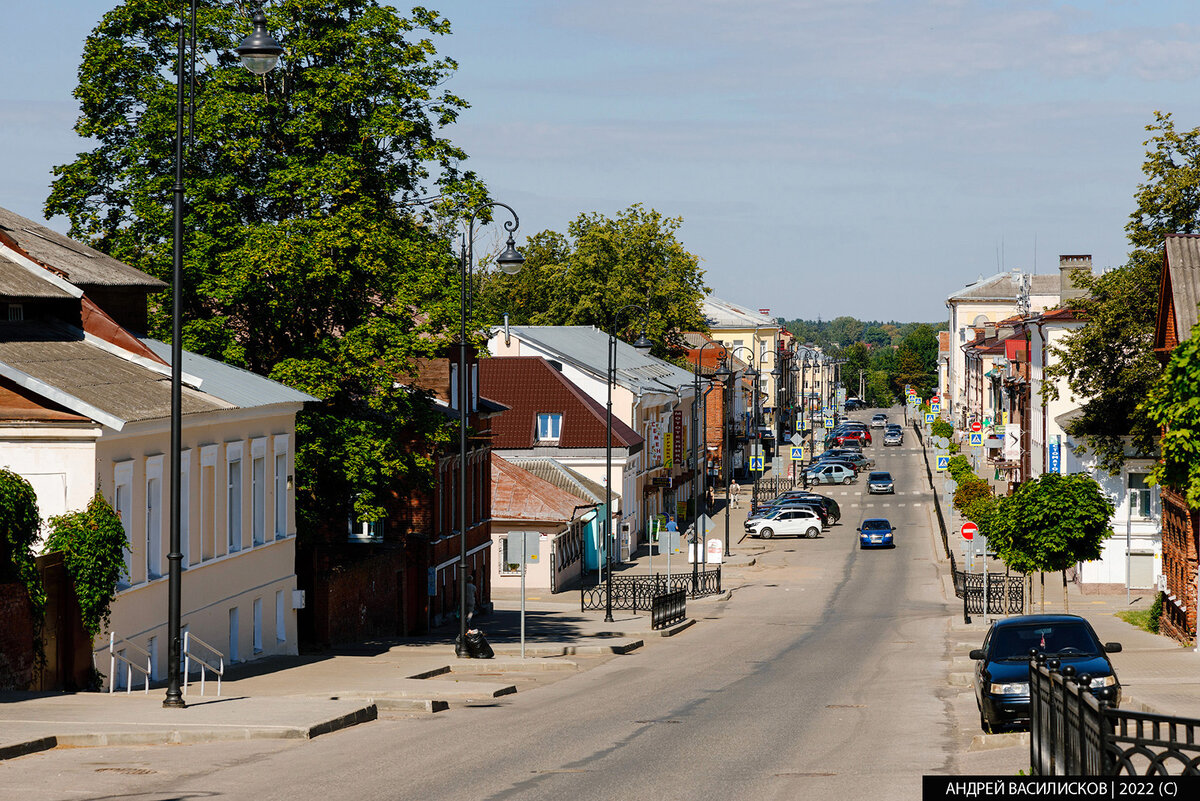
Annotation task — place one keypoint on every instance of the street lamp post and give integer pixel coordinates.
(642, 344)
(700, 462)
(509, 261)
(752, 374)
(259, 52)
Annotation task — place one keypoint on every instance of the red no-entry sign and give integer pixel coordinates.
(976, 426)
(969, 530)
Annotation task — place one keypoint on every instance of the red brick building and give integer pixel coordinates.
(1178, 300)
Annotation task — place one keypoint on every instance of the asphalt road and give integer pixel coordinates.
(821, 678)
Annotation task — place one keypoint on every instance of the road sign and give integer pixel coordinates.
(976, 439)
(936, 399)
(976, 426)
(829, 422)
(987, 422)
(756, 464)
(941, 442)
(797, 453)
(943, 463)
(969, 530)
(796, 439)
(935, 407)
(929, 418)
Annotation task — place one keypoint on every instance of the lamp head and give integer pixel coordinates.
(511, 260)
(259, 51)
(642, 343)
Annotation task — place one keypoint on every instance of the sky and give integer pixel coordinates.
(827, 157)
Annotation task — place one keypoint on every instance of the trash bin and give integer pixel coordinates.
(478, 646)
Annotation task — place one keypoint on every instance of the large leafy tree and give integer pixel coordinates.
(1174, 404)
(1110, 360)
(599, 266)
(303, 258)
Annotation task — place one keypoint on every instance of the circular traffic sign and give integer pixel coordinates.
(976, 426)
(969, 530)
(936, 399)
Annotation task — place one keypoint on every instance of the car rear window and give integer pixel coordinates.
(876, 525)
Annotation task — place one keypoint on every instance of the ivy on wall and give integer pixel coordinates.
(93, 545)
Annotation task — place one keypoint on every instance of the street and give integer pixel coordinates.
(823, 676)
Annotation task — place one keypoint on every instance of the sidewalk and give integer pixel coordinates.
(312, 694)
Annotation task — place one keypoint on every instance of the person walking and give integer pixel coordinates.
(708, 500)
(734, 492)
(470, 599)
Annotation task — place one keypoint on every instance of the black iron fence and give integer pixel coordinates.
(1005, 594)
(667, 609)
(636, 593)
(1074, 731)
(773, 486)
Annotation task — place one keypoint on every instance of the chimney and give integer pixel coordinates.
(1068, 268)
(989, 330)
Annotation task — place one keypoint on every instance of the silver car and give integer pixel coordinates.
(830, 474)
(880, 482)
(893, 436)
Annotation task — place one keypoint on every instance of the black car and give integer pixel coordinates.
(853, 404)
(1002, 669)
(831, 506)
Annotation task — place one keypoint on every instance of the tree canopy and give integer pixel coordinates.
(304, 258)
(600, 265)
(1174, 405)
(1051, 522)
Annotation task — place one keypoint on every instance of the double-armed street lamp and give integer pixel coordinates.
(642, 344)
(700, 462)
(259, 53)
(728, 377)
(510, 262)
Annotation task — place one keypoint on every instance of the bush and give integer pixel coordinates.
(958, 467)
(1156, 610)
(93, 547)
(970, 489)
(942, 428)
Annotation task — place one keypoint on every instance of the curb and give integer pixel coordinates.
(28, 747)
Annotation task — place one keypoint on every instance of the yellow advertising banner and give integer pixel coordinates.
(668, 449)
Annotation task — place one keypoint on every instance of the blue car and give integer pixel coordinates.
(875, 532)
(1002, 664)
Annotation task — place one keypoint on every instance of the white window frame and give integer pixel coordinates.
(281, 448)
(280, 619)
(154, 517)
(234, 499)
(123, 504)
(185, 508)
(258, 491)
(1145, 491)
(503, 562)
(208, 505)
(549, 426)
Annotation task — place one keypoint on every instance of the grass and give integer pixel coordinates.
(1139, 618)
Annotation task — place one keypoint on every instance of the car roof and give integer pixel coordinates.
(876, 520)
(1026, 620)
(880, 474)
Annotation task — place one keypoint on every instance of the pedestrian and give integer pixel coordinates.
(708, 499)
(470, 599)
(734, 491)
(672, 526)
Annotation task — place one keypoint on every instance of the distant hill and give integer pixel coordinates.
(841, 332)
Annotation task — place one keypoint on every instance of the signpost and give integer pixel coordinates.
(929, 418)
(969, 530)
(756, 464)
(976, 425)
(797, 453)
(976, 438)
(530, 543)
(943, 463)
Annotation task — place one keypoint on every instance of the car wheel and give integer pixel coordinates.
(766, 533)
(847, 480)
(984, 723)
(813, 533)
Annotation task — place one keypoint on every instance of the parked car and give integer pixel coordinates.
(857, 435)
(853, 404)
(880, 481)
(876, 532)
(766, 509)
(893, 437)
(1002, 664)
(856, 458)
(879, 420)
(830, 474)
(831, 506)
(786, 522)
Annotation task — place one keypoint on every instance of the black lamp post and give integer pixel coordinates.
(642, 344)
(509, 261)
(259, 53)
(724, 376)
(699, 461)
(752, 374)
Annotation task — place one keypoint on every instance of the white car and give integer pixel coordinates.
(786, 523)
(879, 421)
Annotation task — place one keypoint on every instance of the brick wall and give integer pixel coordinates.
(16, 638)
(1179, 544)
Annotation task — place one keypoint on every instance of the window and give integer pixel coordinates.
(1139, 497)
(233, 634)
(280, 619)
(258, 623)
(507, 566)
(258, 491)
(208, 502)
(233, 496)
(185, 508)
(154, 528)
(281, 486)
(549, 427)
(16, 312)
(123, 503)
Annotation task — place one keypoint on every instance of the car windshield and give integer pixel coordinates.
(876, 525)
(1013, 643)
(880, 477)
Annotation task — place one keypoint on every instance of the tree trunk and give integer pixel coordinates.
(1066, 602)
(1042, 585)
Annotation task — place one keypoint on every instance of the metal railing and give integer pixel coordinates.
(667, 609)
(115, 658)
(189, 657)
(636, 593)
(1074, 731)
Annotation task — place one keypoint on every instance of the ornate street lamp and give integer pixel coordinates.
(259, 53)
(700, 462)
(510, 262)
(752, 374)
(643, 344)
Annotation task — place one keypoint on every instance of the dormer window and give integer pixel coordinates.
(549, 427)
(16, 312)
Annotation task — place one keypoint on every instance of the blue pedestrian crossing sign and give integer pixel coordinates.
(797, 453)
(943, 463)
(829, 422)
(756, 463)
(935, 407)
(929, 418)
(976, 439)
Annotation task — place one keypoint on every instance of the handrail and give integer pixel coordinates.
(218, 671)
(114, 657)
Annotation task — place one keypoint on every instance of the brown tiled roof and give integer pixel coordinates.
(530, 386)
(519, 495)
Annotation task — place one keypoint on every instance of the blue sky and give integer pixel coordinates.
(828, 157)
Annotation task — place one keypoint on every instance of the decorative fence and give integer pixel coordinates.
(636, 593)
(667, 609)
(773, 486)
(1005, 592)
(1073, 730)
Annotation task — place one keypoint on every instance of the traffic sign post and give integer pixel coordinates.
(756, 464)
(797, 453)
(943, 463)
(976, 439)
(929, 418)
(969, 530)
(976, 426)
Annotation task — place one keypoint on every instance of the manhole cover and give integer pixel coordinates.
(127, 771)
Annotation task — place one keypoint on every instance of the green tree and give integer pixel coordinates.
(303, 258)
(1174, 406)
(599, 266)
(93, 544)
(1050, 523)
(970, 489)
(941, 428)
(1109, 361)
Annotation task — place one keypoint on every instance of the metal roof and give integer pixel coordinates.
(234, 385)
(83, 265)
(554, 472)
(586, 347)
(1183, 260)
(723, 314)
(1003, 286)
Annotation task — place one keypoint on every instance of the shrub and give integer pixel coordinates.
(93, 547)
(942, 428)
(970, 489)
(1156, 610)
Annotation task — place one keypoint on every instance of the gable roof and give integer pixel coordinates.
(555, 472)
(81, 265)
(1004, 287)
(234, 385)
(519, 495)
(529, 386)
(1179, 290)
(723, 314)
(586, 348)
(19, 282)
